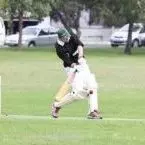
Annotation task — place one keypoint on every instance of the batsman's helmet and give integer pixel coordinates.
(62, 32)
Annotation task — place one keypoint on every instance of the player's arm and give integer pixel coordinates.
(80, 51)
(80, 46)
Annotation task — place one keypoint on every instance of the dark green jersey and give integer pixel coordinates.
(68, 52)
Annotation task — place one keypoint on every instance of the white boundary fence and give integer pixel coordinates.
(96, 36)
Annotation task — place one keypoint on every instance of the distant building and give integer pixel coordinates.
(85, 18)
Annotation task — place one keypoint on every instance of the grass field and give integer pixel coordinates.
(30, 78)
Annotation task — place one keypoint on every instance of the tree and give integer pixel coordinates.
(68, 12)
(21, 7)
(129, 10)
(12, 12)
(40, 9)
(95, 7)
(54, 8)
(72, 12)
(2, 3)
(17, 8)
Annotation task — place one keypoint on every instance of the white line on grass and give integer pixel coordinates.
(29, 117)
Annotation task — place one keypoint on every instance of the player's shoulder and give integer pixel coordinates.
(57, 46)
(74, 37)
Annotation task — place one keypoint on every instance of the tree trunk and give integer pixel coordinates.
(11, 24)
(20, 28)
(77, 25)
(64, 22)
(129, 40)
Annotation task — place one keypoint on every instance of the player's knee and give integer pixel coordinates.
(93, 87)
(76, 95)
(73, 93)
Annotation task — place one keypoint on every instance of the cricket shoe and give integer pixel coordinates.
(95, 115)
(55, 111)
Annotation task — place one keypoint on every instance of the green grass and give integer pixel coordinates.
(31, 77)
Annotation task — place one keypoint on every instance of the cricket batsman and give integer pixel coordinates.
(81, 81)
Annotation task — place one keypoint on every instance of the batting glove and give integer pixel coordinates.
(82, 61)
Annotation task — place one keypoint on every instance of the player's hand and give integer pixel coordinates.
(82, 61)
(73, 67)
(83, 66)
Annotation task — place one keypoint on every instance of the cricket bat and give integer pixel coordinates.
(65, 87)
